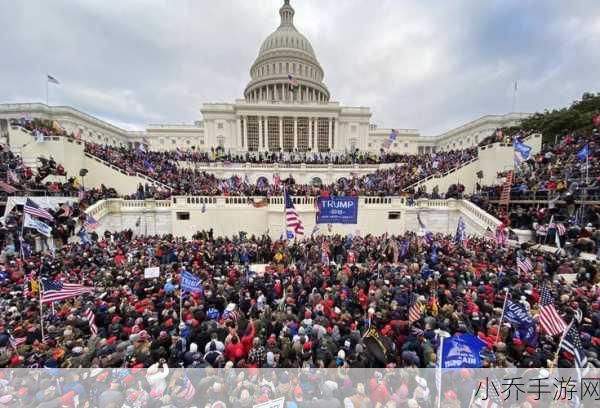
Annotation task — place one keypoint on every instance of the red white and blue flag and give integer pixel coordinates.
(32, 208)
(292, 81)
(91, 321)
(550, 321)
(53, 291)
(292, 219)
(90, 223)
(524, 264)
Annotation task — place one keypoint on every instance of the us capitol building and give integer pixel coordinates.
(286, 105)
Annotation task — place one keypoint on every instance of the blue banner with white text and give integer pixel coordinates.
(337, 210)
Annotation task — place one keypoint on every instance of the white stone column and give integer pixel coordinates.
(336, 135)
(238, 132)
(310, 132)
(281, 132)
(295, 132)
(329, 138)
(245, 141)
(266, 133)
(260, 135)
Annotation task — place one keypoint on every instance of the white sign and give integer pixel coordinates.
(153, 272)
(276, 403)
(258, 268)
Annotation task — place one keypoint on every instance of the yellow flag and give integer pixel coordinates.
(35, 286)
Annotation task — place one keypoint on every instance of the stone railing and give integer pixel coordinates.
(129, 173)
(440, 175)
(218, 166)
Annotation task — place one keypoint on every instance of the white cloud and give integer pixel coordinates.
(427, 65)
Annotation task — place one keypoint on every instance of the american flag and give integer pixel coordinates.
(292, 219)
(292, 81)
(15, 343)
(560, 228)
(54, 290)
(572, 344)
(7, 188)
(188, 389)
(90, 223)
(91, 321)
(550, 320)
(414, 311)
(524, 264)
(32, 208)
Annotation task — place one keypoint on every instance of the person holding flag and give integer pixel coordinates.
(583, 155)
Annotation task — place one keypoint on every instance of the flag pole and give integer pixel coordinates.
(46, 89)
(502, 315)
(40, 289)
(181, 296)
(180, 305)
(439, 373)
(587, 167)
(562, 337)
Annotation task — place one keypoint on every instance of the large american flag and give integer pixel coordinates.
(550, 320)
(292, 219)
(91, 321)
(32, 208)
(54, 290)
(414, 311)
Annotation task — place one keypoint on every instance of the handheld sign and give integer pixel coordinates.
(153, 272)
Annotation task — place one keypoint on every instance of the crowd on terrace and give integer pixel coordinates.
(190, 181)
(168, 168)
(564, 176)
(16, 176)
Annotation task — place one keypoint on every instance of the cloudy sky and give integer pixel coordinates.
(431, 65)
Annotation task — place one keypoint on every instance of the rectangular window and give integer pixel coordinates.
(219, 126)
(252, 133)
(183, 216)
(288, 133)
(303, 134)
(323, 134)
(394, 215)
(273, 127)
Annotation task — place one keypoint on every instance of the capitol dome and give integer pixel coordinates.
(284, 53)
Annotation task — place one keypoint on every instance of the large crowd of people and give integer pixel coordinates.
(17, 176)
(309, 307)
(168, 168)
(184, 180)
(567, 177)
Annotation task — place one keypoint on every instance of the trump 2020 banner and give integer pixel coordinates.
(337, 210)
